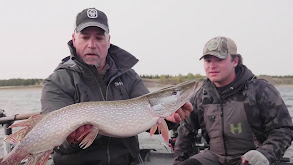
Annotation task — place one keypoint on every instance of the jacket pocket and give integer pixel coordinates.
(212, 120)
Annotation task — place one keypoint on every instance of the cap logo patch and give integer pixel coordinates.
(213, 45)
(92, 13)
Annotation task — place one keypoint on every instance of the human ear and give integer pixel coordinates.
(108, 40)
(73, 39)
(235, 61)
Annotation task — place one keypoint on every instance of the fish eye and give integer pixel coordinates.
(174, 93)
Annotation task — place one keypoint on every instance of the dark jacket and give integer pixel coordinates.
(264, 111)
(74, 81)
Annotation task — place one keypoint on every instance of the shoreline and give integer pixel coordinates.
(20, 87)
(148, 85)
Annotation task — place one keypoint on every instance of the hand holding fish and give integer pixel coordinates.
(78, 135)
(181, 113)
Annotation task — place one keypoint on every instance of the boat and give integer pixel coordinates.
(152, 151)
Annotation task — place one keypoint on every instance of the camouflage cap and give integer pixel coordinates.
(220, 47)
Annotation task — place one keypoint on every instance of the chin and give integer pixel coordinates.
(90, 62)
(213, 79)
(216, 80)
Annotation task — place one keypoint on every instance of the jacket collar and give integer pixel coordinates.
(119, 59)
(243, 75)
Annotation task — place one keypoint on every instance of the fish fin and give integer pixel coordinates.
(45, 157)
(38, 158)
(16, 137)
(88, 140)
(159, 123)
(83, 134)
(27, 124)
(153, 130)
(164, 131)
(30, 122)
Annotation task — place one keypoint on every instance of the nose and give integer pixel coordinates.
(92, 43)
(213, 64)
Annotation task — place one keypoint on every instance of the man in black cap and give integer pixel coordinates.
(244, 119)
(96, 70)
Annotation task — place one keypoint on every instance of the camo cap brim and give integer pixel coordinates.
(220, 47)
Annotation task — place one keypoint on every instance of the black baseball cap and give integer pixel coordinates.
(91, 17)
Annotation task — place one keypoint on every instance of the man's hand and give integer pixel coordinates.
(254, 157)
(181, 113)
(74, 137)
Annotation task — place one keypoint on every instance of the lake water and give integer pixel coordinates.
(27, 100)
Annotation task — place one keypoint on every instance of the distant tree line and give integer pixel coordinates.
(286, 76)
(288, 79)
(174, 79)
(21, 82)
(163, 78)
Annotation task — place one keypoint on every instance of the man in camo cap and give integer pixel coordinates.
(243, 118)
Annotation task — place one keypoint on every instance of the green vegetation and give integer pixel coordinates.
(286, 76)
(21, 82)
(174, 79)
(276, 80)
(170, 79)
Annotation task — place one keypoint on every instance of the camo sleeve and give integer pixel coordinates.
(187, 132)
(276, 121)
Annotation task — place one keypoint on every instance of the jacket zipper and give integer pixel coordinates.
(100, 87)
(223, 132)
(96, 81)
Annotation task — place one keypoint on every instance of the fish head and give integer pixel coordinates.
(168, 100)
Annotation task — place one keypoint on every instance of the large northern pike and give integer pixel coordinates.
(124, 118)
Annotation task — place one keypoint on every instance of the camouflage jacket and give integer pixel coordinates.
(266, 113)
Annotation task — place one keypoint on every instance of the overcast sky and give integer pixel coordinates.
(167, 36)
